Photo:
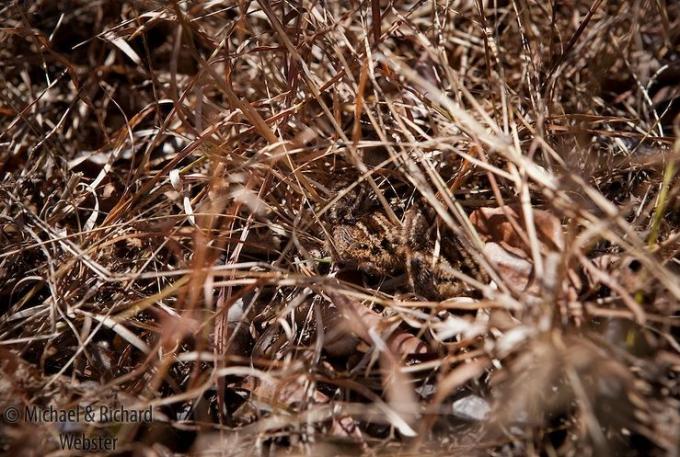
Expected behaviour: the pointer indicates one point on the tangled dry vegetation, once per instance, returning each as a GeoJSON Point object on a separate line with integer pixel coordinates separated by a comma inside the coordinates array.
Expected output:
{"type": "Point", "coordinates": [433, 227]}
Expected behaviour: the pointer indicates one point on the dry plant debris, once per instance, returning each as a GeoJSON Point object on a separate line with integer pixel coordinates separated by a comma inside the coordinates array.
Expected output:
{"type": "Point", "coordinates": [326, 228]}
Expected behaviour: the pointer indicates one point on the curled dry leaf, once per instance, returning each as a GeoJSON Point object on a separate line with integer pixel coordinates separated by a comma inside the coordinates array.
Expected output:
{"type": "Point", "coordinates": [291, 393]}
{"type": "Point", "coordinates": [452, 326]}
{"type": "Point", "coordinates": [500, 225]}
{"type": "Point", "coordinates": [398, 387]}
{"type": "Point", "coordinates": [356, 319]}
{"type": "Point", "coordinates": [513, 269]}
{"type": "Point", "coordinates": [345, 323]}
{"type": "Point", "coordinates": [287, 392]}
{"type": "Point", "coordinates": [507, 244]}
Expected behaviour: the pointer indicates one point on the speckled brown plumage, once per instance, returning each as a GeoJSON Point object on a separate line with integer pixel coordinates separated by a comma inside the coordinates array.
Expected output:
{"type": "Point", "coordinates": [371, 243]}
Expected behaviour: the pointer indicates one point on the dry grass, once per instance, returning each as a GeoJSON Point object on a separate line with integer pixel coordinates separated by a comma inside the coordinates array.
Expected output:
{"type": "Point", "coordinates": [173, 174]}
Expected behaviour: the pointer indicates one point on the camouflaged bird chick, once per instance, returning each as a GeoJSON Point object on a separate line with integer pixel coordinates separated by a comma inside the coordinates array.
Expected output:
{"type": "Point", "coordinates": [371, 243]}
